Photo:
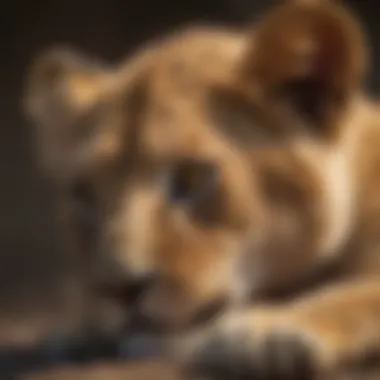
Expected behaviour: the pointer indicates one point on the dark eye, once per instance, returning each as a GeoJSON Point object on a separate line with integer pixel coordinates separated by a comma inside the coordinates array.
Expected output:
{"type": "Point", "coordinates": [192, 181]}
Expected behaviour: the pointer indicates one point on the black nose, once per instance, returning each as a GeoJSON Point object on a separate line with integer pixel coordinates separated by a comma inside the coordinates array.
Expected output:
{"type": "Point", "coordinates": [127, 289]}
{"type": "Point", "coordinates": [137, 287]}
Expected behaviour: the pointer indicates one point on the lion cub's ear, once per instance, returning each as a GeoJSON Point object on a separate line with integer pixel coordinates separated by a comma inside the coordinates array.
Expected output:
{"type": "Point", "coordinates": [61, 81]}
{"type": "Point", "coordinates": [63, 89]}
{"type": "Point", "coordinates": [311, 54]}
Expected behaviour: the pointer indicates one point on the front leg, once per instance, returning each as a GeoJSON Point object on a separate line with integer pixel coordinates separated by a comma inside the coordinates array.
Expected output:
{"type": "Point", "coordinates": [318, 337]}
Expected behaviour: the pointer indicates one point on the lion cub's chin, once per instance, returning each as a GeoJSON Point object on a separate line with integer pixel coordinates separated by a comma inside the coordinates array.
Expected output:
{"type": "Point", "coordinates": [176, 343]}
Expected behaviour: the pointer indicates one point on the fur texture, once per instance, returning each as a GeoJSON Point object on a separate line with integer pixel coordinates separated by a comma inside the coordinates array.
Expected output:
{"type": "Point", "coordinates": [215, 168]}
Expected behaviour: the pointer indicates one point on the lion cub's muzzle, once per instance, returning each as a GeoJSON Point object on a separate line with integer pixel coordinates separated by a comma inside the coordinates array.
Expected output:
{"type": "Point", "coordinates": [137, 296]}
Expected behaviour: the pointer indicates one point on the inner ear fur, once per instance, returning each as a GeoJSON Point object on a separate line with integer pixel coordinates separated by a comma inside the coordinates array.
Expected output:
{"type": "Point", "coordinates": [311, 53]}
{"type": "Point", "coordinates": [61, 82]}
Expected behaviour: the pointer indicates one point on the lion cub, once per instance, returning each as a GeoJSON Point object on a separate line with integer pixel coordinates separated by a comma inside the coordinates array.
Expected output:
{"type": "Point", "coordinates": [215, 169]}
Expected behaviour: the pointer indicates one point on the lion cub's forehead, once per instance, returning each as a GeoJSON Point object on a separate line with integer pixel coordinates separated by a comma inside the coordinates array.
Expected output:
{"type": "Point", "coordinates": [161, 92]}
{"type": "Point", "coordinates": [207, 53]}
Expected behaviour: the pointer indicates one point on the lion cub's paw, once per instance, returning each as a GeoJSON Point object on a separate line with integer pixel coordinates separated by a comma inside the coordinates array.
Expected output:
{"type": "Point", "coordinates": [264, 346]}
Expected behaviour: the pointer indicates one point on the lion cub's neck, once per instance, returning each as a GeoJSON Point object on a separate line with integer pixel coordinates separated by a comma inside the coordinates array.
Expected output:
{"type": "Point", "coordinates": [350, 191]}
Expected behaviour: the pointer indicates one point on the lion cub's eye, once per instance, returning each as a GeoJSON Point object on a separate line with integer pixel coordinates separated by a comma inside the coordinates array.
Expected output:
{"type": "Point", "coordinates": [192, 181]}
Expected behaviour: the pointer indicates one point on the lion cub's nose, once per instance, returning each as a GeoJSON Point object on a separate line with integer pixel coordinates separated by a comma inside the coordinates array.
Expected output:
{"type": "Point", "coordinates": [138, 286]}
{"type": "Point", "coordinates": [127, 289]}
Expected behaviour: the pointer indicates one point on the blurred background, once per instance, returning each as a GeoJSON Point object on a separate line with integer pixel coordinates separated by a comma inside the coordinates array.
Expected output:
{"type": "Point", "coordinates": [33, 266]}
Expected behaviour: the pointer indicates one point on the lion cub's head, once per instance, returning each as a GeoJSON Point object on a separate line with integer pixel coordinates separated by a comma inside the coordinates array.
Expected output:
{"type": "Point", "coordinates": [210, 165]}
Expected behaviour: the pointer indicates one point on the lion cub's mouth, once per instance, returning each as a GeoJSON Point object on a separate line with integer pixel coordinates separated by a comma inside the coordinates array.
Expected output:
{"type": "Point", "coordinates": [143, 341]}
{"type": "Point", "coordinates": [143, 337]}
{"type": "Point", "coordinates": [128, 296]}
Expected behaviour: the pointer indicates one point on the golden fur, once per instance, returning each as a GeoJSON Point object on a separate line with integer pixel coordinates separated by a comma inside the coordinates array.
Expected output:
{"type": "Point", "coordinates": [222, 167]}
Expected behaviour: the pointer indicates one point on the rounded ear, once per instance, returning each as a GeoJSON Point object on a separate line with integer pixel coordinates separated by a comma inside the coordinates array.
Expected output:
{"type": "Point", "coordinates": [61, 80]}
{"type": "Point", "coordinates": [309, 53]}
{"type": "Point", "coordinates": [62, 88]}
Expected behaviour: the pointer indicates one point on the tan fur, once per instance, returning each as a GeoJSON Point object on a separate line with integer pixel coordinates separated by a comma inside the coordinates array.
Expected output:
{"type": "Point", "coordinates": [295, 191]}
